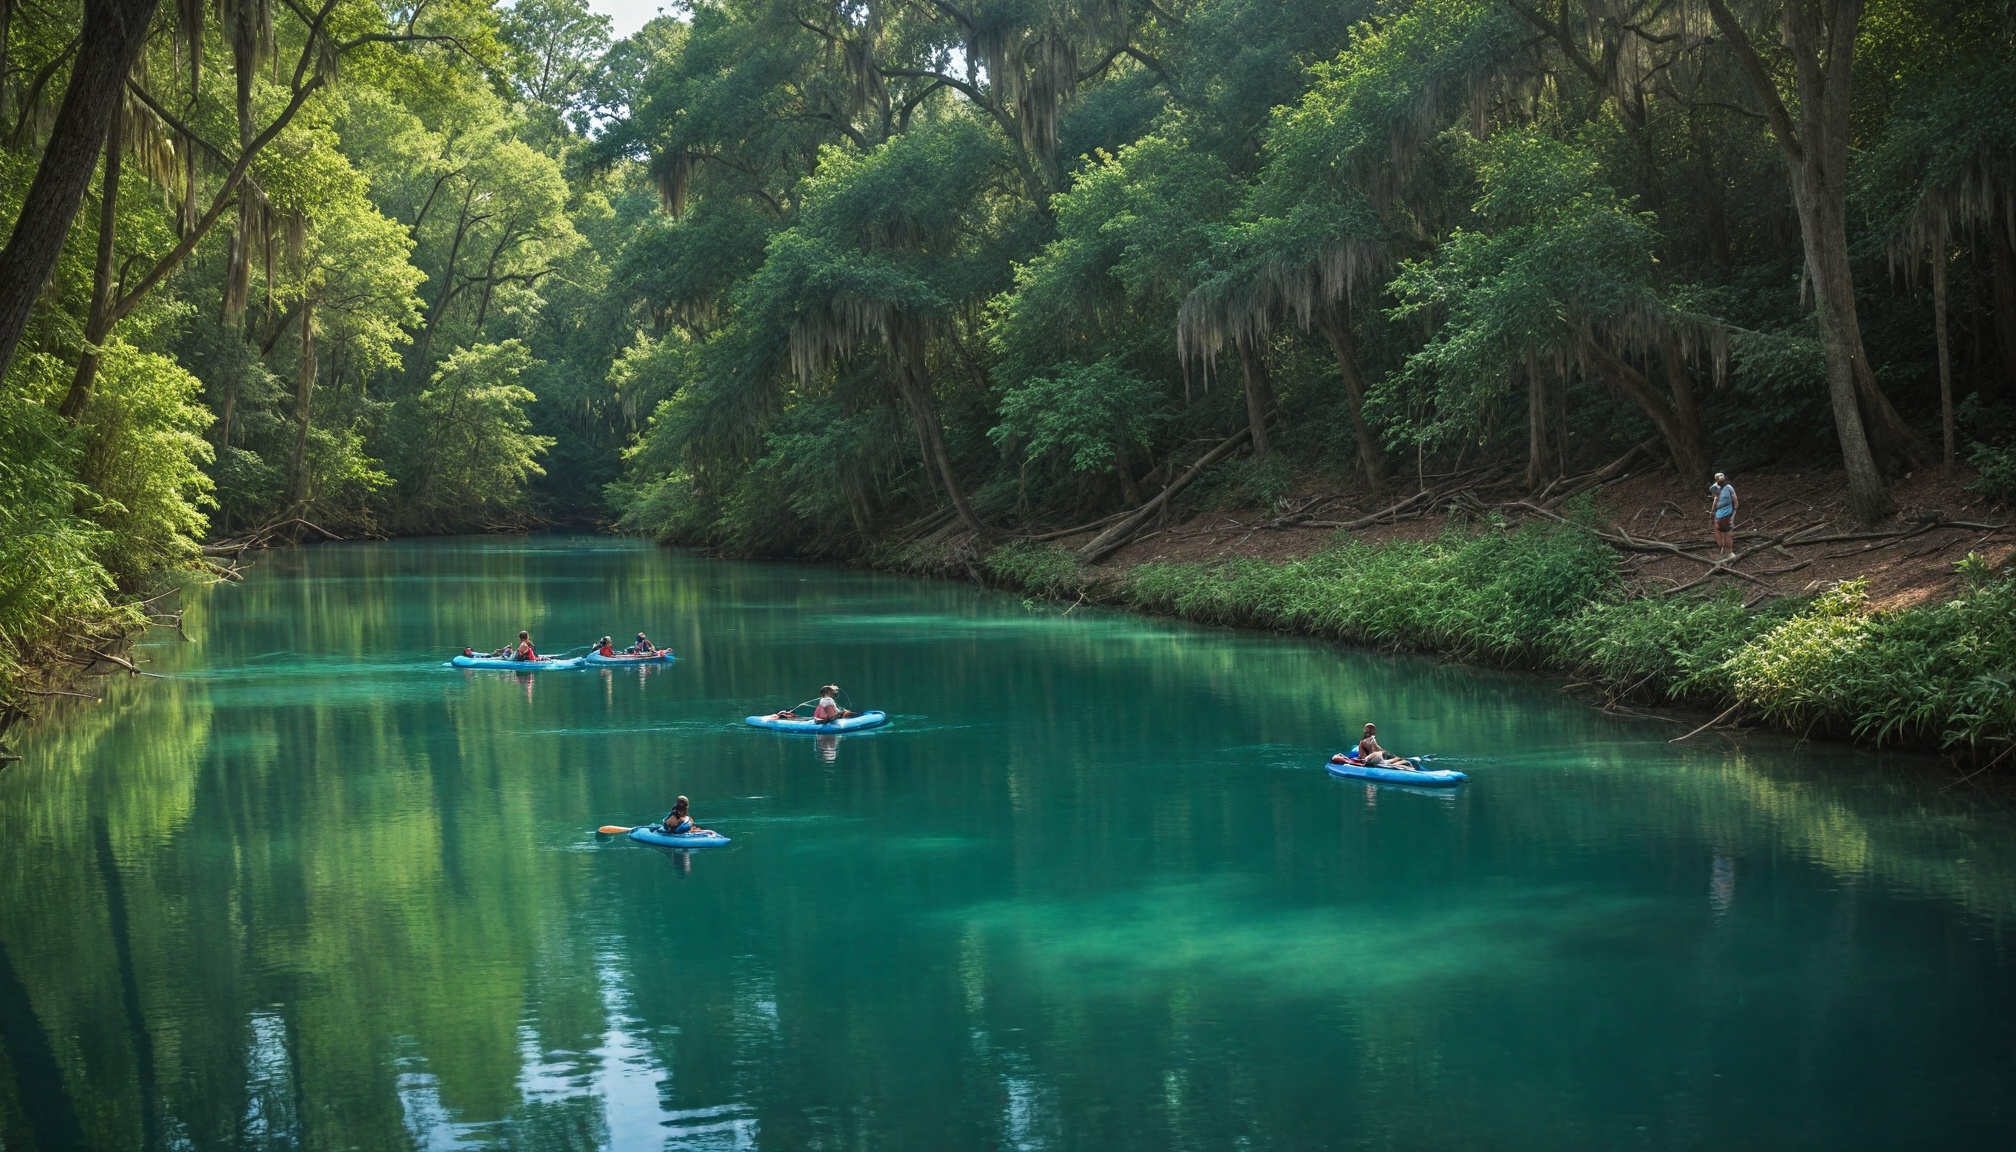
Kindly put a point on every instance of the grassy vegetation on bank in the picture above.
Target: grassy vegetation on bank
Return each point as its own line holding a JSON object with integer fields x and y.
{"x": 1550, "y": 598}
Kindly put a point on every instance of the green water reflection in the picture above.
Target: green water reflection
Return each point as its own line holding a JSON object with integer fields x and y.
{"x": 1091, "y": 890}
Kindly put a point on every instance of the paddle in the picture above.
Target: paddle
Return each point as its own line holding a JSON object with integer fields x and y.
{"x": 612, "y": 830}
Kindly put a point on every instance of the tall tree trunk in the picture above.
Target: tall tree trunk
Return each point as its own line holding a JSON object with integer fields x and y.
{"x": 1822, "y": 46}
{"x": 304, "y": 395}
{"x": 1683, "y": 438}
{"x": 238, "y": 261}
{"x": 1259, "y": 393}
{"x": 1536, "y": 427}
{"x": 1123, "y": 465}
{"x": 1826, "y": 244}
{"x": 114, "y": 32}
{"x": 915, "y": 385}
{"x": 1945, "y": 353}
{"x": 1974, "y": 318}
{"x": 225, "y": 412}
{"x": 98, "y": 322}
{"x": 1651, "y": 188}
{"x": 1713, "y": 213}
{"x": 1690, "y": 448}
{"x": 424, "y": 351}
{"x": 2003, "y": 253}
{"x": 1335, "y": 323}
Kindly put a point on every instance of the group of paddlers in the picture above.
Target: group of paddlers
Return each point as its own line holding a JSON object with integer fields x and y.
{"x": 523, "y": 649}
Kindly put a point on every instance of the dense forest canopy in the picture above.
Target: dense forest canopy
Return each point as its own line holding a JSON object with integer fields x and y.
{"x": 784, "y": 276}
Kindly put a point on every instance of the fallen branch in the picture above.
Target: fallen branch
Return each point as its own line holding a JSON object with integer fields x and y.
{"x": 1374, "y": 518}
{"x": 1600, "y": 476}
{"x": 258, "y": 537}
{"x": 1720, "y": 566}
{"x": 121, "y": 661}
{"x": 1617, "y": 710}
{"x": 1728, "y": 712}
{"x": 1116, "y": 537}
{"x": 1061, "y": 533}
{"x": 1983, "y": 768}
{"x": 60, "y": 692}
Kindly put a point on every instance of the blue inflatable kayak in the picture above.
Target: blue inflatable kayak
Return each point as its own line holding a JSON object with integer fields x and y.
{"x": 596, "y": 659}
{"x": 649, "y": 834}
{"x": 1441, "y": 778}
{"x": 548, "y": 664}
{"x": 808, "y": 726}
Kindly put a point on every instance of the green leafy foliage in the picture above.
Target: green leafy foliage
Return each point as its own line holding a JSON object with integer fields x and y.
{"x": 1498, "y": 596}
{"x": 1041, "y": 569}
{"x": 1546, "y": 598}
{"x": 1997, "y": 476}
{"x": 469, "y": 446}
{"x": 1086, "y": 414}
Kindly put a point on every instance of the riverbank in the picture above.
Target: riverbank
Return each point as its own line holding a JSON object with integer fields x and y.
{"x": 1900, "y": 635}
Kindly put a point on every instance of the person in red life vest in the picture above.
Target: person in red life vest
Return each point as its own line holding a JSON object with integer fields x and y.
{"x": 603, "y": 647}
{"x": 525, "y": 649}
{"x": 828, "y": 709}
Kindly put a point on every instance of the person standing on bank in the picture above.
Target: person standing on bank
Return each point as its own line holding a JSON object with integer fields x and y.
{"x": 1722, "y": 499}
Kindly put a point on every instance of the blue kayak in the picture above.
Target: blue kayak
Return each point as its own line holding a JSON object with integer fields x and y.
{"x": 620, "y": 660}
{"x": 549, "y": 664}
{"x": 1441, "y": 778}
{"x": 649, "y": 834}
{"x": 805, "y": 725}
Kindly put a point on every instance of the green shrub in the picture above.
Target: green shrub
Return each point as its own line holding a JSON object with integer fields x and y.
{"x": 1501, "y": 596}
{"x": 1792, "y": 674}
{"x": 1944, "y": 672}
{"x": 1038, "y": 569}
{"x": 1998, "y": 472}
{"x": 1666, "y": 649}
{"x": 1549, "y": 597}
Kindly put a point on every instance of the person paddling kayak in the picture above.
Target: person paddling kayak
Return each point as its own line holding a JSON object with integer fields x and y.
{"x": 679, "y": 822}
{"x": 642, "y": 647}
{"x": 602, "y": 647}
{"x": 1369, "y": 752}
{"x": 525, "y": 649}
{"x": 828, "y": 709}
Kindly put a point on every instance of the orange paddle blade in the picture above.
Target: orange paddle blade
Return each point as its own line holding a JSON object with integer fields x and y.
{"x": 612, "y": 829}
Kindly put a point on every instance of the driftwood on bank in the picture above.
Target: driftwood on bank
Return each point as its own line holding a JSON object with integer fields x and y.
{"x": 1081, "y": 529}
{"x": 1417, "y": 501}
{"x": 1115, "y": 538}
{"x": 261, "y": 537}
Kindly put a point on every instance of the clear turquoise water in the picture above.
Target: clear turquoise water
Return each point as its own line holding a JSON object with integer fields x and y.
{"x": 1091, "y": 890}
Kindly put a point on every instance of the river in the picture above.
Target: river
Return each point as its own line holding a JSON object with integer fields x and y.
{"x": 1091, "y": 889}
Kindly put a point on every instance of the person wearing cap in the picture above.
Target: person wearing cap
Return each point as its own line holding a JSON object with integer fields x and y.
{"x": 1371, "y": 753}
{"x": 828, "y": 709}
{"x": 642, "y": 647}
{"x": 1722, "y": 501}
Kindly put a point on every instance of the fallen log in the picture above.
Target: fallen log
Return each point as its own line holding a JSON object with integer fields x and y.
{"x": 1116, "y": 537}
{"x": 1061, "y": 533}
{"x": 1374, "y": 518}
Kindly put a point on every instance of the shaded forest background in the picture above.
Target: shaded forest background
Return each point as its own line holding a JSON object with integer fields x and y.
{"x": 782, "y": 277}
